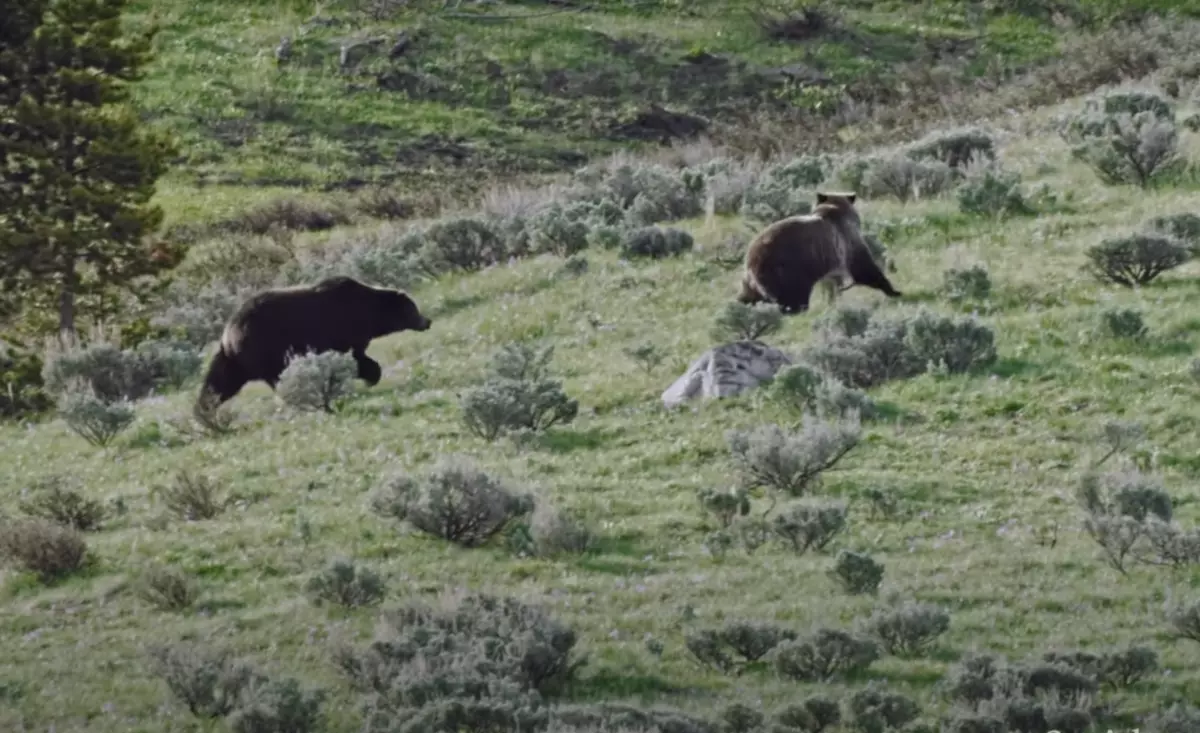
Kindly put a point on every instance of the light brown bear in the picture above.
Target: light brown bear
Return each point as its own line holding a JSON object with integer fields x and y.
{"x": 789, "y": 257}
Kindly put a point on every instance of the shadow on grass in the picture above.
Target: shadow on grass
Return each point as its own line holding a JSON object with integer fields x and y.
{"x": 1012, "y": 367}
{"x": 569, "y": 441}
{"x": 606, "y": 685}
{"x": 614, "y": 555}
{"x": 450, "y": 306}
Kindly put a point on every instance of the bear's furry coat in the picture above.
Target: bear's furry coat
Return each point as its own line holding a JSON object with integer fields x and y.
{"x": 335, "y": 314}
{"x": 789, "y": 257}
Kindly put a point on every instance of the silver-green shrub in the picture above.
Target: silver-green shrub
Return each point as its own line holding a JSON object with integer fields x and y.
{"x": 317, "y": 381}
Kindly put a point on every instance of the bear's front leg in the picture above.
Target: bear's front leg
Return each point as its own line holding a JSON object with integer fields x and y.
{"x": 368, "y": 369}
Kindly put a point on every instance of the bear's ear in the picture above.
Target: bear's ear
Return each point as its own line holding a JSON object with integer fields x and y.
{"x": 822, "y": 198}
{"x": 851, "y": 197}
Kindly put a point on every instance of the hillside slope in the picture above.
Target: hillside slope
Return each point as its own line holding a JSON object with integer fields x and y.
{"x": 982, "y": 468}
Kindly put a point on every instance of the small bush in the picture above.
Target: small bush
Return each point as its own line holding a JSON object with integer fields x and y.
{"x": 725, "y": 505}
{"x": 808, "y": 526}
{"x": 741, "y": 718}
{"x": 770, "y": 457}
{"x": 647, "y": 356}
{"x": 92, "y": 418}
{"x": 1136, "y": 259}
{"x": 956, "y": 148}
{"x": 906, "y": 178}
{"x": 277, "y": 706}
{"x": 746, "y": 322}
{"x": 1123, "y": 323}
{"x": 956, "y": 345}
{"x": 1185, "y": 621}
{"x": 992, "y": 192}
{"x": 972, "y": 283}
{"x": 1183, "y": 227}
{"x": 1179, "y": 718}
{"x": 461, "y": 244}
{"x": 554, "y": 231}
{"x": 874, "y": 710}
{"x": 493, "y": 650}
{"x": 50, "y": 551}
{"x": 553, "y": 532}
{"x": 455, "y": 501}
{"x": 746, "y": 640}
{"x": 517, "y": 393}
{"x": 1118, "y": 668}
{"x": 814, "y": 715}
{"x": 205, "y": 679}
{"x": 909, "y": 628}
{"x": 973, "y": 722}
{"x": 51, "y": 499}
{"x": 878, "y": 354}
{"x": 1130, "y": 149}
{"x": 114, "y": 374}
{"x": 655, "y": 242}
{"x": 191, "y": 497}
{"x": 317, "y": 381}
{"x": 824, "y": 654}
{"x": 22, "y": 388}
{"x": 290, "y": 214}
{"x": 1169, "y": 544}
{"x": 347, "y": 585}
{"x": 166, "y": 588}
{"x": 1128, "y": 493}
{"x": 857, "y": 572}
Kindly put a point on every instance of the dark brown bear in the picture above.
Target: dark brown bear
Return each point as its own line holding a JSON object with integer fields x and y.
{"x": 336, "y": 314}
{"x": 789, "y": 257}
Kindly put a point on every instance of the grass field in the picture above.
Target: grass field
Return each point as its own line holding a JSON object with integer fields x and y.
{"x": 982, "y": 466}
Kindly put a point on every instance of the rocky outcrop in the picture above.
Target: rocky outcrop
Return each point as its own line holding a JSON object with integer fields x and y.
{"x": 726, "y": 370}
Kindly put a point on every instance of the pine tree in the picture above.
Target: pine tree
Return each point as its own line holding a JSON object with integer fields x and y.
{"x": 77, "y": 167}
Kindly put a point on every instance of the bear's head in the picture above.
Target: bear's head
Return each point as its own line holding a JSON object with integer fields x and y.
{"x": 398, "y": 312}
{"x": 842, "y": 203}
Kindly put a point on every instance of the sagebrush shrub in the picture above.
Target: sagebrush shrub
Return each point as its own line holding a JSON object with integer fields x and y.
{"x": 114, "y": 374}
{"x": 824, "y": 654}
{"x": 517, "y": 393}
{"x": 347, "y": 584}
{"x": 741, "y": 718}
{"x": 906, "y": 178}
{"x": 553, "y": 230}
{"x": 1181, "y": 717}
{"x": 1131, "y": 149}
{"x": 1169, "y": 544}
{"x": 736, "y": 644}
{"x": 814, "y": 715}
{"x": 192, "y": 497}
{"x": 290, "y": 213}
{"x": 1136, "y": 259}
{"x": 1183, "y": 227}
{"x": 725, "y": 505}
{"x": 806, "y": 388}
{"x": 1123, "y": 323}
{"x": 1129, "y": 493}
{"x": 955, "y": 147}
{"x": 554, "y": 532}
{"x": 655, "y": 242}
{"x": 1117, "y": 668}
{"x": 789, "y": 462}
{"x": 810, "y": 526}
{"x": 746, "y": 322}
{"x": 1185, "y": 620}
{"x": 462, "y": 244}
{"x": 48, "y": 550}
{"x": 878, "y": 354}
{"x": 269, "y": 705}
{"x": 95, "y": 420}
{"x": 454, "y": 501}
{"x": 52, "y": 499}
{"x": 970, "y": 283}
{"x": 874, "y": 710}
{"x": 166, "y": 588}
{"x": 481, "y": 647}
{"x": 647, "y": 355}
{"x": 205, "y": 679}
{"x": 856, "y": 572}
{"x": 909, "y": 628}
{"x": 955, "y": 344}
{"x": 992, "y": 192}
{"x": 317, "y": 381}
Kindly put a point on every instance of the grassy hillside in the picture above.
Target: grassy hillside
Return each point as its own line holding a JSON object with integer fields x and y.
{"x": 964, "y": 487}
{"x": 478, "y": 92}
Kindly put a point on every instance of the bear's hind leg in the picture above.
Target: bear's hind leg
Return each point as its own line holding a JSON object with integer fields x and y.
{"x": 368, "y": 369}
{"x": 796, "y": 299}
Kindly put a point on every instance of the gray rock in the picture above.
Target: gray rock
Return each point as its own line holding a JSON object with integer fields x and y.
{"x": 726, "y": 370}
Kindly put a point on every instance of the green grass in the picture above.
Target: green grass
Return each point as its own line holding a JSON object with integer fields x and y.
{"x": 981, "y": 462}
{"x": 532, "y": 94}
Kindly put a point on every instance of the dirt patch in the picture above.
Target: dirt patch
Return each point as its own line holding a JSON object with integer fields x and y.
{"x": 660, "y": 125}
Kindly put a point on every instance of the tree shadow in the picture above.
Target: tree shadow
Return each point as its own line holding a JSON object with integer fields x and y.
{"x": 1011, "y": 367}
{"x": 569, "y": 441}
{"x": 613, "y": 555}
{"x": 606, "y": 685}
{"x": 450, "y": 306}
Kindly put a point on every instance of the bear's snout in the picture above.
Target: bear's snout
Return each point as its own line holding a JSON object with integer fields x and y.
{"x": 425, "y": 324}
